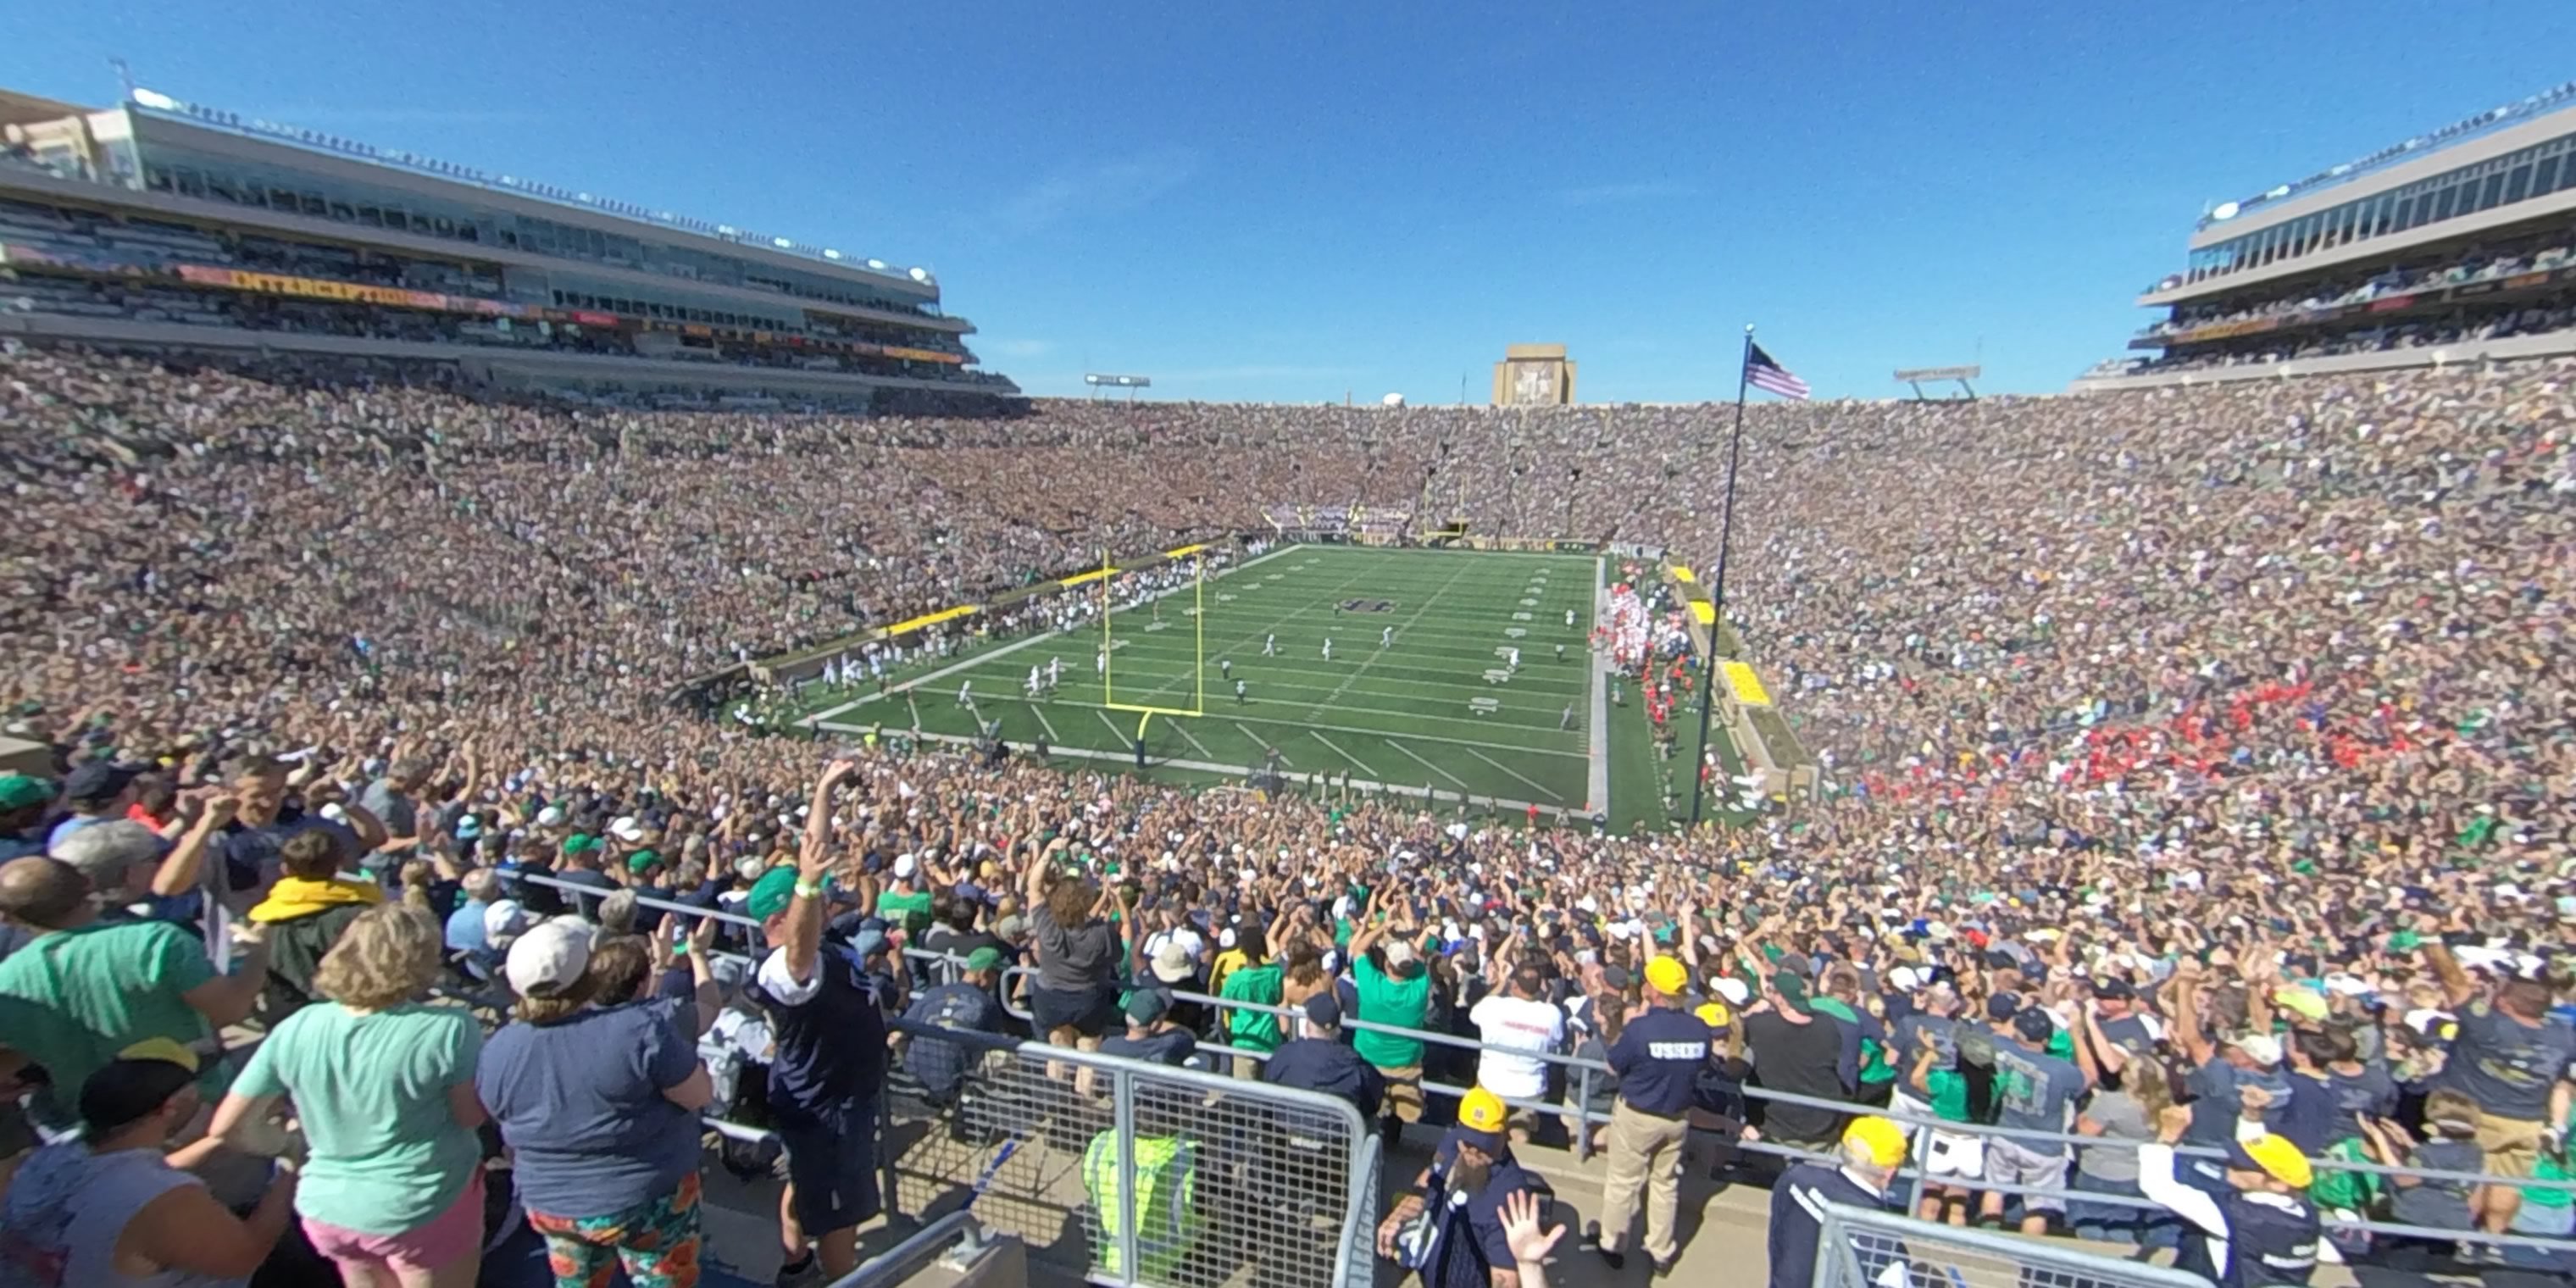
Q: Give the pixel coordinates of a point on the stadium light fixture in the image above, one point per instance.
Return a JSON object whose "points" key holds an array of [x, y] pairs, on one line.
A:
{"points": [[877, 264]]}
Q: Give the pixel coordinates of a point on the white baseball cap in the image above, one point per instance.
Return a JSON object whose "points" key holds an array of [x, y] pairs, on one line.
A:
{"points": [[550, 816], [627, 829], [549, 958]]}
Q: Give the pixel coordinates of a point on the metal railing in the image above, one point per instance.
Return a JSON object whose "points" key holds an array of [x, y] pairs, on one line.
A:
{"points": [[1583, 1076], [1173, 1178], [1279, 1169], [956, 1234], [1856, 1248]]}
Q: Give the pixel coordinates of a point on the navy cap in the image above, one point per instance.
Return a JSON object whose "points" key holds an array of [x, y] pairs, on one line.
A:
{"points": [[97, 780], [1324, 1010], [2003, 1006], [2034, 1025]]}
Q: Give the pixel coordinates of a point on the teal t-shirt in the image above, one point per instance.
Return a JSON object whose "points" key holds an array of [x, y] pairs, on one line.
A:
{"points": [[76, 998], [371, 1089], [1401, 1002]]}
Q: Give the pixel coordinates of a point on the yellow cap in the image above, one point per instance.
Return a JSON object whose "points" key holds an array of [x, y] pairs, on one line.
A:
{"points": [[1714, 1014], [1482, 1110], [1882, 1137], [1668, 976], [164, 1049], [2306, 1003], [2279, 1159]]}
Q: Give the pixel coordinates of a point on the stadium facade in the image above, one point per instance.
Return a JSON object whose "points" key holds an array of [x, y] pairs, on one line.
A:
{"points": [[158, 223], [2455, 245]]}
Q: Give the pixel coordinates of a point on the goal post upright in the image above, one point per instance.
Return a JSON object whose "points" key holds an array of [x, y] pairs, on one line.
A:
{"points": [[1108, 648]]}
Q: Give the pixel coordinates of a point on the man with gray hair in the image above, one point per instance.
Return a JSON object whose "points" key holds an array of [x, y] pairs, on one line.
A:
{"points": [[113, 854], [467, 940], [109, 853]]}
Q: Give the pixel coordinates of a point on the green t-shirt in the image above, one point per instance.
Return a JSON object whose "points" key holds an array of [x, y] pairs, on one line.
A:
{"points": [[371, 1090], [1263, 983], [1949, 1091], [1401, 1002], [910, 911], [2548, 1168], [76, 998]]}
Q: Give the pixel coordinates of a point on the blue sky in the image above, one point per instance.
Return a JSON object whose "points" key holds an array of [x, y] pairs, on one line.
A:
{"points": [[1291, 202]]}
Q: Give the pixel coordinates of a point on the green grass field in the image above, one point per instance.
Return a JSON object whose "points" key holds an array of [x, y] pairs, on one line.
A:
{"points": [[1439, 709]]}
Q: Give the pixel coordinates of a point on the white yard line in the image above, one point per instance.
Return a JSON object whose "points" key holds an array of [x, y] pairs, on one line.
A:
{"points": [[1417, 759], [914, 707], [1015, 646], [1184, 731], [1354, 677], [1365, 767], [1044, 723], [1514, 773], [1597, 734], [1271, 629], [1114, 730], [1245, 771], [1283, 756]]}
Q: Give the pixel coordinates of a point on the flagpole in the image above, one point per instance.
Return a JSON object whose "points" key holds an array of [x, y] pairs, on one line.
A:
{"points": [[1717, 592]]}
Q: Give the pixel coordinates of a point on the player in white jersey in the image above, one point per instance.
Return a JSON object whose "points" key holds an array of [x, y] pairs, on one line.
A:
{"points": [[1270, 646], [1328, 648], [966, 693], [1569, 617], [1055, 671], [1100, 666], [1516, 658], [1033, 681], [1386, 638], [1238, 693]]}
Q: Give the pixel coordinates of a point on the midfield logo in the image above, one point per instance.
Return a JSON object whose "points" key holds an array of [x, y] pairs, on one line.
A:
{"points": [[1368, 605]]}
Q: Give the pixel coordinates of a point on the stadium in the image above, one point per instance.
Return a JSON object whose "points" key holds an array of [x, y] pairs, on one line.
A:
{"points": [[594, 735]]}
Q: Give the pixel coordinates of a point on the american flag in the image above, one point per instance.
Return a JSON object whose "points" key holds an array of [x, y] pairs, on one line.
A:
{"points": [[1763, 373]]}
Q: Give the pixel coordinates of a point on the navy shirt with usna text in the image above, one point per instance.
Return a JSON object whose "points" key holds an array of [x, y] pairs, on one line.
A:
{"points": [[1658, 1057]]}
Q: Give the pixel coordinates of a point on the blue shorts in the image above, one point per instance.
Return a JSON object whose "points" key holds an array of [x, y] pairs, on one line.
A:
{"points": [[832, 1162]]}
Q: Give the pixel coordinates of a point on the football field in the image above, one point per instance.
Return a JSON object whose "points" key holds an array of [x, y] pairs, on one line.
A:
{"points": [[1436, 707]]}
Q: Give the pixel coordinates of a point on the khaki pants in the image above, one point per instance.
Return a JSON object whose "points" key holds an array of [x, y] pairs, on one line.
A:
{"points": [[1645, 1153]]}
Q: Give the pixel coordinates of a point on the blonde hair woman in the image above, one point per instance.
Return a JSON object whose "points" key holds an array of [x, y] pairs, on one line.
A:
{"points": [[384, 1085], [2124, 1117]]}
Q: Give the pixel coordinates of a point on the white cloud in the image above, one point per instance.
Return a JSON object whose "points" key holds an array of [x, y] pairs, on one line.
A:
{"points": [[1099, 188]]}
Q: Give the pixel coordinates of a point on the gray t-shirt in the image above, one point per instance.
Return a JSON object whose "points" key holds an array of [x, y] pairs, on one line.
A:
{"points": [[399, 813], [2034, 1089], [2509, 1067], [2122, 1119], [2435, 1203], [67, 1208], [1073, 961]]}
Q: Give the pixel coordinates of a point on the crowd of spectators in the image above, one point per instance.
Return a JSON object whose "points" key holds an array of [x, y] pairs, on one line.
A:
{"points": [[2456, 269], [2218, 732]]}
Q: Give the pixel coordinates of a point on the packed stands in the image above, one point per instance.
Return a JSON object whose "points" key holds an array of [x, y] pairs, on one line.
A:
{"points": [[2450, 247], [2219, 727]]}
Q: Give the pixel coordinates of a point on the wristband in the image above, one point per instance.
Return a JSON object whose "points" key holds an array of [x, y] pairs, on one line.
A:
{"points": [[807, 890]]}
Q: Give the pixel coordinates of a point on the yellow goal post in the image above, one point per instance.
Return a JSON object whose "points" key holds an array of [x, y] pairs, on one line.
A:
{"points": [[1198, 633]]}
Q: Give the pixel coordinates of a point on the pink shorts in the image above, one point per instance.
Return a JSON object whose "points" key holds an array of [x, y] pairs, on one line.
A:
{"points": [[456, 1232]]}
